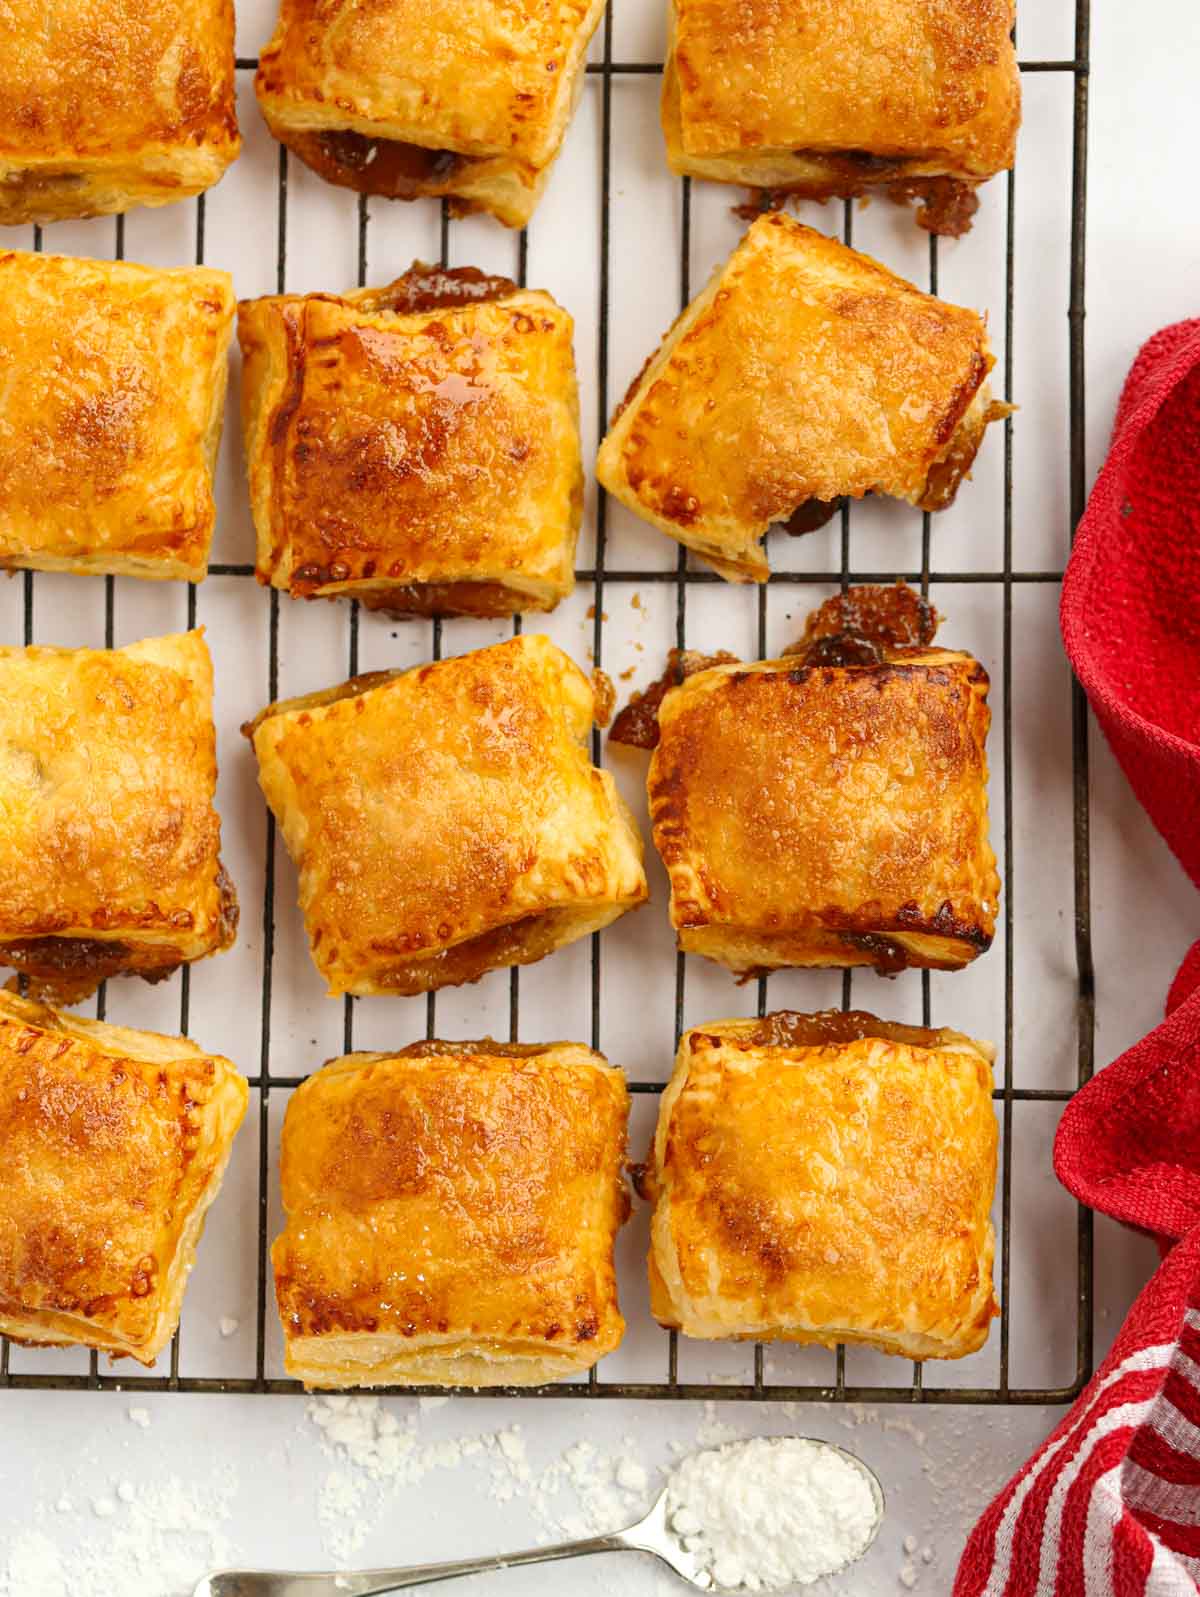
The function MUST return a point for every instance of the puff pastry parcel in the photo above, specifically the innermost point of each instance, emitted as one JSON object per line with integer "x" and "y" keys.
{"x": 447, "y": 820}
{"x": 826, "y": 1178}
{"x": 105, "y": 104}
{"x": 416, "y": 446}
{"x": 833, "y": 97}
{"x": 109, "y": 843}
{"x": 404, "y": 98}
{"x": 451, "y": 1211}
{"x": 828, "y": 814}
{"x": 115, "y": 382}
{"x": 114, "y": 1144}
{"x": 804, "y": 372}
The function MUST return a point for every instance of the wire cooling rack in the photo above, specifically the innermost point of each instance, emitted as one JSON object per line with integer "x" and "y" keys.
{"x": 890, "y": 1381}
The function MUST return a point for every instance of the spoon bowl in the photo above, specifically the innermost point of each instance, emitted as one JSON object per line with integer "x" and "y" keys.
{"x": 651, "y": 1534}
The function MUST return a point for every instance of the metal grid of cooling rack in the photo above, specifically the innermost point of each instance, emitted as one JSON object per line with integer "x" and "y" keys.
{"x": 913, "y": 1391}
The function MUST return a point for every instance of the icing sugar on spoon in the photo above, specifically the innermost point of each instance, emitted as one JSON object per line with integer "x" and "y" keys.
{"x": 762, "y": 1515}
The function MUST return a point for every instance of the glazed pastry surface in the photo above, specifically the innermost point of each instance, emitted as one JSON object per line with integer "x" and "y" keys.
{"x": 828, "y": 815}
{"x": 116, "y": 380}
{"x": 804, "y": 371}
{"x": 451, "y": 1212}
{"x": 826, "y": 1184}
{"x": 825, "y": 97}
{"x": 115, "y": 1142}
{"x": 107, "y": 104}
{"x": 420, "y": 97}
{"x": 448, "y": 820}
{"x": 109, "y": 843}
{"x": 415, "y": 446}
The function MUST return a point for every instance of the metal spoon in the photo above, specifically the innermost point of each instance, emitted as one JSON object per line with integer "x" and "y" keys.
{"x": 649, "y": 1535}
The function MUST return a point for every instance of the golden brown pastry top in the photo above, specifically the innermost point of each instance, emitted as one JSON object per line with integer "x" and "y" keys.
{"x": 464, "y": 1193}
{"x": 785, "y": 795}
{"x": 804, "y": 371}
{"x": 884, "y": 77}
{"x": 107, "y": 774}
{"x": 110, "y": 1138}
{"x": 427, "y": 807}
{"x": 477, "y": 76}
{"x": 840, "y": 1187}
{"x": 85, "y": 78}
{"x": 107, "y": 445}
{"x": 415, "y": 446}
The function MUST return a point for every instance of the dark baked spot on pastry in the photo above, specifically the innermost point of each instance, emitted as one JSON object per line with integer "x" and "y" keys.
{"x": 193, "y": 91}
{"x": 405, "y": 601}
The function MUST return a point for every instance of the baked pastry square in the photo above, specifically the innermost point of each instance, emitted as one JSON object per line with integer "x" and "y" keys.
{"x": 826, "y": 1178}
{"x": 109, "y": 846}
{"x": 415, "y": 447}
{"x": 108, "y": 105}
{"x": 834, "y": 97}
{"x": 404, "y": 98}
{"x": 451, "y": 1211}
{"x": 828, "y": 814}
{"x": 447, "y": 820}
{"x": 116, "y": 375}
{"x": 115, "y": 1143}
{"x": 804, "y": 371}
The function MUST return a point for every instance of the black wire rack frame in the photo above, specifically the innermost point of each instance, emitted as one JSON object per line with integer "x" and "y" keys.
{"x": 913, "y": 1391}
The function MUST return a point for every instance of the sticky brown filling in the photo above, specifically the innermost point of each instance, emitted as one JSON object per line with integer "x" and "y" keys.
{"x": 385, "y": 167}
{"x": 860, "y": 626}
{"x": 812, "y": 515}
{"x": 409, "y": 600}
{"x": 68, "y": 969}
{"x": 787, "y": 1028}
{"x": 637, "y": 724}
{"x": 432, "y": 288}
{"x": 521, "y": 942}
{"x": 436, "y": 1048}
{"x": 945, "y": 205}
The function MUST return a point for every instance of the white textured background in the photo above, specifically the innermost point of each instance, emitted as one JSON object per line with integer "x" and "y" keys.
{"x": 940, "y": 1464}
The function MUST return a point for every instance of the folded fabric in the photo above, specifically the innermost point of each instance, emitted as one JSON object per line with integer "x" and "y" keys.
{"x": 1110, "y": 1505}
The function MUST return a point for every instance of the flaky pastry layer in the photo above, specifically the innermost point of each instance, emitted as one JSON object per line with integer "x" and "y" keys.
{"x": 826, "y": 1188}
{"x": 803, "y": 371}
{"x": 115, "y": 1142}
{"x": 451, "y": 1212}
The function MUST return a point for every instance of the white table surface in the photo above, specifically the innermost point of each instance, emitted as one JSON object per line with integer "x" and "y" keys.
{"x": 262, "y": 1457}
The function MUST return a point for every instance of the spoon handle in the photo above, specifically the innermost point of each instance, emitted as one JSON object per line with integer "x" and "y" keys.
{"x": 375, "y": 1582}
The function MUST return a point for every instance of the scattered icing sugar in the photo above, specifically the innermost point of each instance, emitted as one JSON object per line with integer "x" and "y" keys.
{"x": 152, "y": 1541}
{"x": 769, "y": 1513}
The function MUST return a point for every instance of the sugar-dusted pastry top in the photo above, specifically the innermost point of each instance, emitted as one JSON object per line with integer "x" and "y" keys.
{"x": 828, "y": 814}
{"x": 451, "y": 1211}
{"x": 934, "y": 80}
{"x": 114, "y": 1145}
{"x": 826, "y": 1179}
{"x": 410, "y": 97}
{"x": 415, "y": 446}
{"x": 448, "y": 819}
{"x": 106, "y": 104}
{"x": 115, "y": 376}
{"x": 804, "y": 371}
{"x": 109, "y": 843}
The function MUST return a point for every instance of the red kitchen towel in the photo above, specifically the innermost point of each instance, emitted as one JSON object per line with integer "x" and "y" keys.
{"x": 1110, "y": 1505}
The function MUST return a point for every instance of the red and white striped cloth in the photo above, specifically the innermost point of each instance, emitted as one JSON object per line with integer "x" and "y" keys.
{"x": 1110, "y": 1505}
